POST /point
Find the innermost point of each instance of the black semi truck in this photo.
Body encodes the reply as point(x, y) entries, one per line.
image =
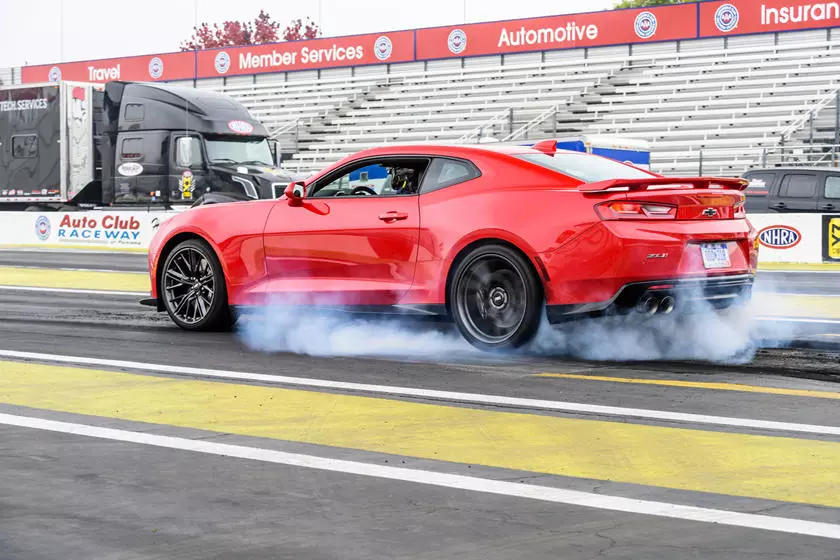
point(72, 145)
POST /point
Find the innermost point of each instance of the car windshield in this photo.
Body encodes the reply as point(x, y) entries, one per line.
point(585, 167)
point(225, 149)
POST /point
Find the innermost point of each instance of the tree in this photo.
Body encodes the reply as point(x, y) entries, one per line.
point(262, 30)
point(297, 30)
point(646, 3)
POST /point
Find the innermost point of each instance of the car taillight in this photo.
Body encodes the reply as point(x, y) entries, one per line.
point(739, 210)
point(635, 211)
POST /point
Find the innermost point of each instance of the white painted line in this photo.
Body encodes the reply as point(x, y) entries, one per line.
point(797, 271)
point(73, 291)
point(792, 294)
point(23, 249)
point(430, 394)
point(800, 320)
point(68, 269)
point(432, 478)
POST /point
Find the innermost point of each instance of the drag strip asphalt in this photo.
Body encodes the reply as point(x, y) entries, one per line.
point(123, 436)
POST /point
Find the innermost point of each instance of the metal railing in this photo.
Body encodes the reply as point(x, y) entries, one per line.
point(537, 121)
point(806, 118)
point(490, 124)
point(801, 155)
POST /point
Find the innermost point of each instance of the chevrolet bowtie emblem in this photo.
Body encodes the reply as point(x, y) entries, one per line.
point(710, 212)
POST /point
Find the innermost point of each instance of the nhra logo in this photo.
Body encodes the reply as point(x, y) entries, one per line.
point(645, 25)
point(55, 74)
point(382, 48)
point(726, 17)
point(222, 62)
point(779, 237)
point(457, 41)
point(43, 228)
point(241, 127)
point(156, 68)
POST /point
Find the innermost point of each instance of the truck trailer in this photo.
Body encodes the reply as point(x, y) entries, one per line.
point(73, 145)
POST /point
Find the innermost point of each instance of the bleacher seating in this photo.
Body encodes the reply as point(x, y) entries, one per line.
point(729, 104)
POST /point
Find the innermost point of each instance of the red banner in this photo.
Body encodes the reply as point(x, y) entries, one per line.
point(376, 48)
point(736, 17)
point(617, 27)
point(147, 68)
point(559, 32)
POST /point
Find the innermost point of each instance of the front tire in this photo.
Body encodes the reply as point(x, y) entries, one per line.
point(192, 286)
point(495, 298)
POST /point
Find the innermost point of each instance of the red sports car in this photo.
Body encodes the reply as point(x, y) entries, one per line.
point(489, 236)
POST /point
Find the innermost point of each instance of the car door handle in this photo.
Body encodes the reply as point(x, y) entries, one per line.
point(825, 207)
point(393, 216)
point(778, 205)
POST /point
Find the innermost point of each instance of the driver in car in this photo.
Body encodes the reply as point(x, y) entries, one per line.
point(404, 181)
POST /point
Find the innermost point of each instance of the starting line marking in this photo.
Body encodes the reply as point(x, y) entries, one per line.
point(431, 394)
point(432, 478)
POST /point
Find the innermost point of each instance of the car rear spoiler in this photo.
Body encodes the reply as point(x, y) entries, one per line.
point(680, 182)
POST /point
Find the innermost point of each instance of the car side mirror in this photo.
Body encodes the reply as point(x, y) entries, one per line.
point(295, 193)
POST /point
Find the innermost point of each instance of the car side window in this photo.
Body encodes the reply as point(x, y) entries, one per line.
point(832, 186)
point(387, 177)
point(798, 186)
point(445, 172)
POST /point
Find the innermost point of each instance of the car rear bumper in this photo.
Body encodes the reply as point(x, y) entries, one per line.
point(662, 296)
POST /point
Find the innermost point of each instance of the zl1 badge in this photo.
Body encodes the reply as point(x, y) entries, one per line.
point(831, 238)
point(185, 185)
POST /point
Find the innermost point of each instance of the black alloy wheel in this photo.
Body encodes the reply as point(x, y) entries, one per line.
point(495, 298)
point(192, 286)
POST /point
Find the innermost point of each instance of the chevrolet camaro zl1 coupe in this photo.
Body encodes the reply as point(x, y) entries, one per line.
point(491, 237)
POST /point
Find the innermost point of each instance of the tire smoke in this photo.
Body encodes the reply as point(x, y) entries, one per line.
point(705, 333)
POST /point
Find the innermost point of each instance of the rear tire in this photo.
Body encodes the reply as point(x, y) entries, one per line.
point(495, 298)
point(193, 289)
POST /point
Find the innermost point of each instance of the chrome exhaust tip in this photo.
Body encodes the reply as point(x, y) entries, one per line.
point(648, 305)
point(667, 304)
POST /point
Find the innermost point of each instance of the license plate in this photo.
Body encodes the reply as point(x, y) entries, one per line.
point(715, 255)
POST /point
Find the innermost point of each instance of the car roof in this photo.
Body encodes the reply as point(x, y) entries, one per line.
point(793, 168)
point(454, 150)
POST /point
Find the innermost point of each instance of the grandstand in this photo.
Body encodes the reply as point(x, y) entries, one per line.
point(728, 103)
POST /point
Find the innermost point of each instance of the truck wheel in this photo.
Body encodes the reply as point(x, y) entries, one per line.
point(495, 298)
point(192, 286)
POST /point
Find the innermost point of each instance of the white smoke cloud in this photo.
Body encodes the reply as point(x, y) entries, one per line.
point(726, 336)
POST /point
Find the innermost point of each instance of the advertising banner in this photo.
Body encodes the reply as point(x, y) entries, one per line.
point(831, 238)
point(789, 238)
point(375, 48)
point(148, 68)
point(737, 17)
point(559, 32)
point(592, 29)
point(123, 230)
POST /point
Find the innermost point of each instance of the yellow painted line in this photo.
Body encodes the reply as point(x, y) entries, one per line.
point(775, 468)
point(795, 305)
point(114, 248)
point(700, 385)
point(798, 266)
point(75, 279)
